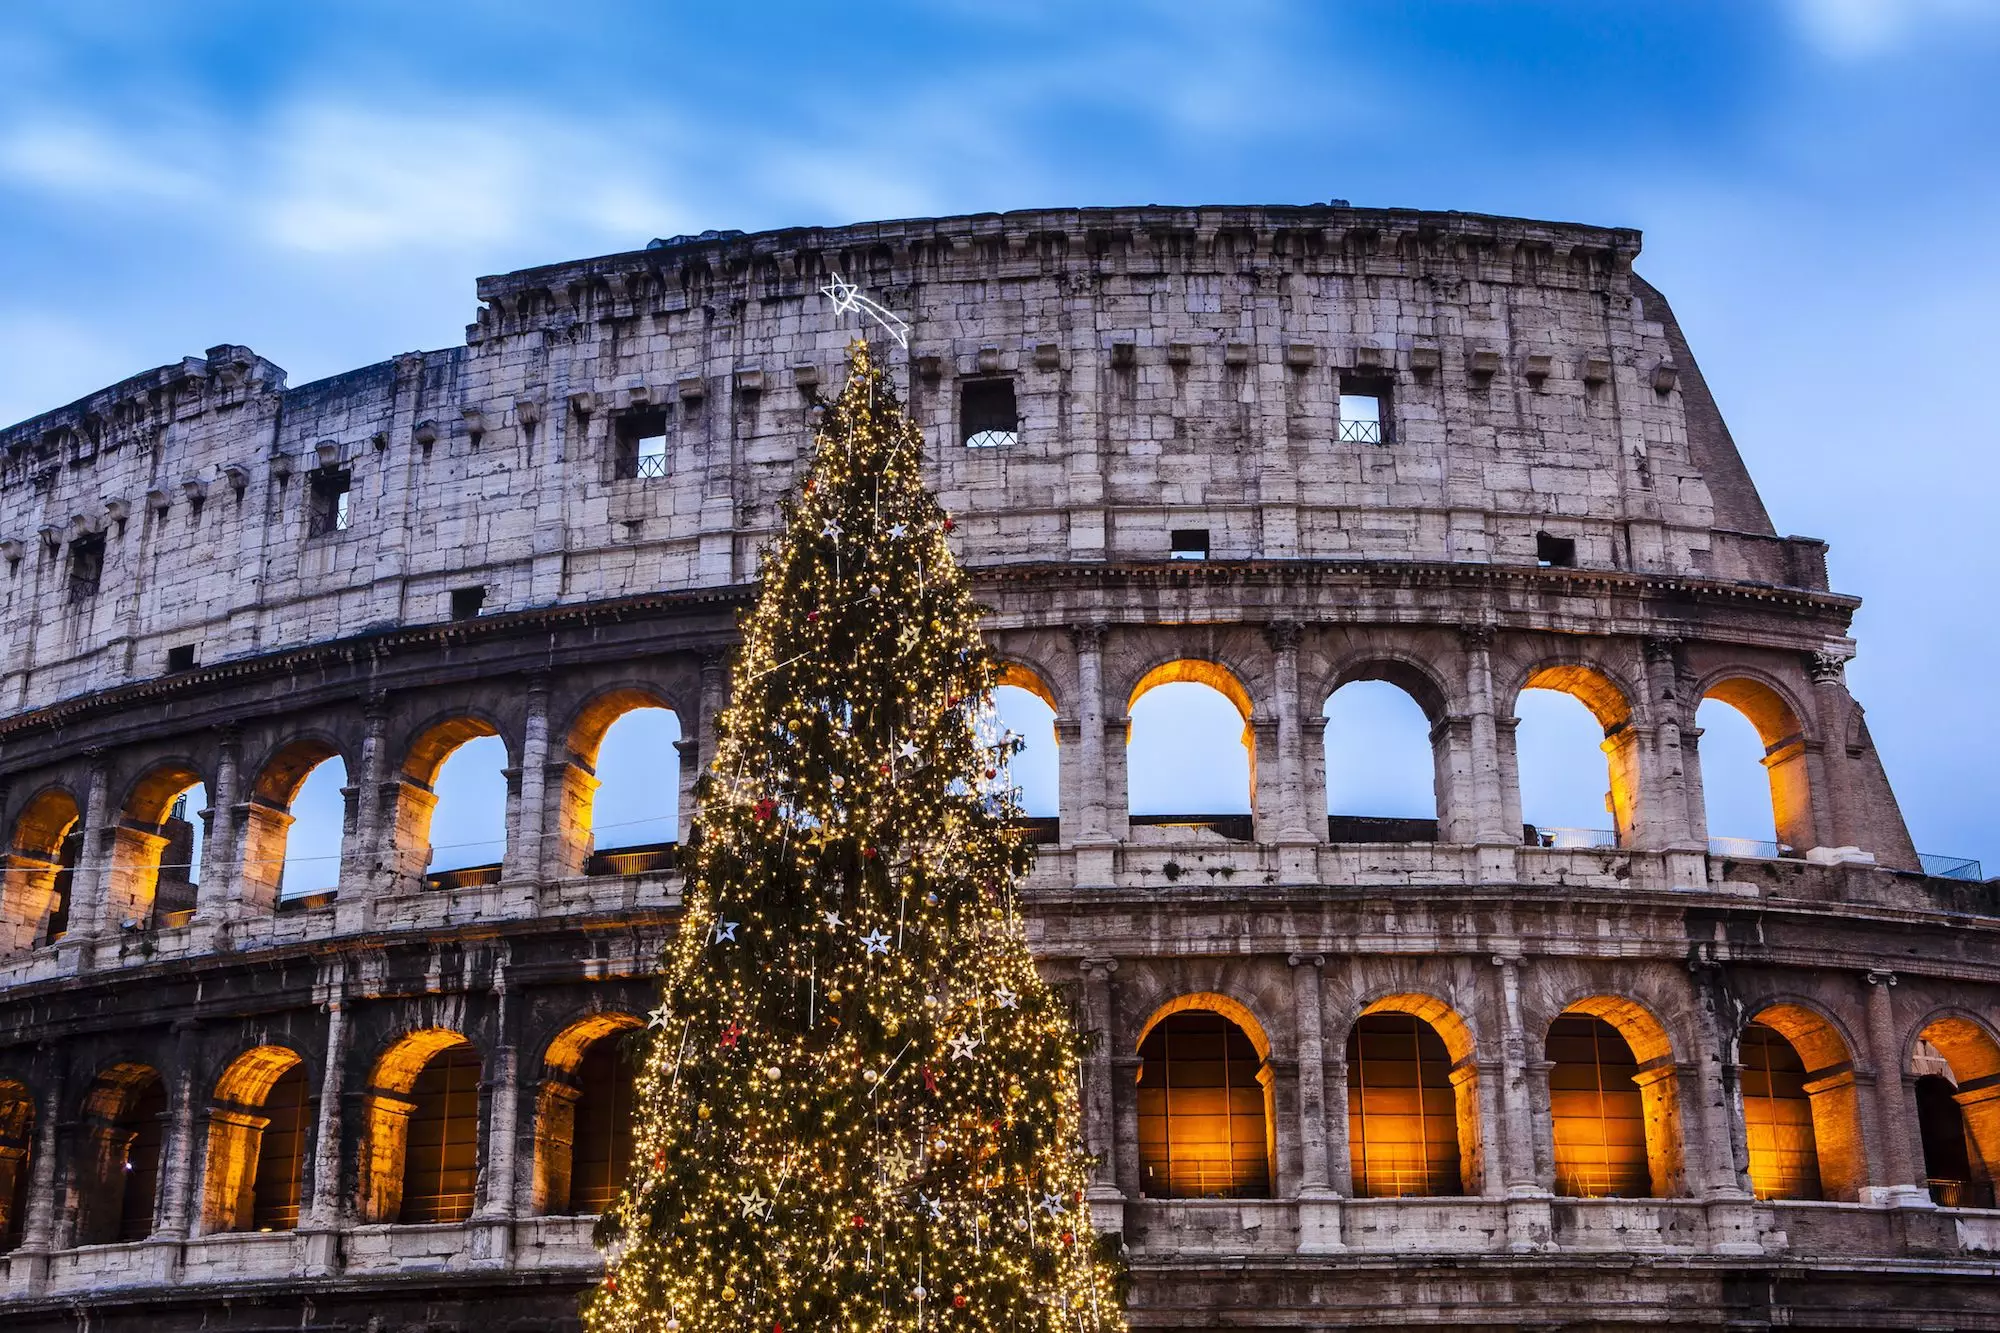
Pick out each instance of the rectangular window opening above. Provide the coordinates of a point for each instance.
(1362, 414)
(180, 657)
(641, 439)
(467, 602)
(86, 566)
(1555, 552)
(327, 492)
(986, 414)
(1189, 544)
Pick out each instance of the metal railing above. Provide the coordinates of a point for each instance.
(1749, 849)
(1539, 836)
(465, 877)
(1950, 867)
(639, 860)
(1358, 432)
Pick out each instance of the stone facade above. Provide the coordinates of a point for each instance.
(1553, 502)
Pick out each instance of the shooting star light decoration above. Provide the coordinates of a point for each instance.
(848, 298)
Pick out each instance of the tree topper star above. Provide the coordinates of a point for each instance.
(847, 299)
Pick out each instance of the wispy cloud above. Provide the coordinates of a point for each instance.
(1861, 28)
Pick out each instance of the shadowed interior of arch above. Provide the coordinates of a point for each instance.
(1381, 773)
(117, 1169)
(421, 1161)
(17, 1140)
(1957, 1069)
(255, 1156)
(1190, 751)
(584, 1116)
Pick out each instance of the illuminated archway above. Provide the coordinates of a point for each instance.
(1206, 1129)
(117, 1167)
(257, 1131)
(1801, 1123)
(451, 812)
(1412, 1099)
(1614, 1102)
(584, 1116)
(1959, 1115)
(421, 1159)
(1383, 767)
(1026, 705)
(1782, 739)
(1180, 760)
(278, 798)
(1550, 762)
(621, 786)
(156, 849)
(17, 1137)
(41, 860)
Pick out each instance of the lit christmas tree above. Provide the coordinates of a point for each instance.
(858, 1107)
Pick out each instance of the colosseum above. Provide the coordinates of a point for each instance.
(1347, 1072)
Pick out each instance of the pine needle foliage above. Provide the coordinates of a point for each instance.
(858, 1106)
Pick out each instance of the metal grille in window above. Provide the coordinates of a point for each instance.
(987, 419)
(642, 447)
(1360, 419)
(86, 566)
(328, 512)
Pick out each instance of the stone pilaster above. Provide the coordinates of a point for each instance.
(1100, 1122)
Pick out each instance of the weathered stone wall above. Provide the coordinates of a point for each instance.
(1175, 369)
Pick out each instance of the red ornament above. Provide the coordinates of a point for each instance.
(949, 525)
(860, 1222)
(870, 853)
(992, 772)
(930, 1080)
(958, 1302)
(729, 1036)
(812, 617)
(1069, 1237)
(765, 809)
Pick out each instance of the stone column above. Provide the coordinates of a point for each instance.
(714, 698)
(1487, 803)
(1092, 820)
(318, 1227)
(688, 751)
(367, 861)
(527, 815)
(100, 838)
(221, 855)
(1529, 1224)
(38, 1229)
(1671, 823)
(177, 1152)
(1289, 805)
(1319, 1206)
(1894, 1167)
(493, 1239)
(1833, 819)
(1100, 1125)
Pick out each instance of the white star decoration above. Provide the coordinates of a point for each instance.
(1006, 999)
(724, 930)
(847, 299)
(753, 1203)
(963, 1045)
(832, 529)
(897, 531)
(1052, 1204)
(907, 750)
(833, 921)
(876, 941)
(658, 1018)
(934, 1207)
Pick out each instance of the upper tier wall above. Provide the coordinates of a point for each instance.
(1174, 368)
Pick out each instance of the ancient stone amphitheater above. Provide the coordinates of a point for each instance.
(1349, 1072)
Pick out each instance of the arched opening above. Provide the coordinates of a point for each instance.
(1958, 1111)
(621, 799)
(1204, 1100)
(583, 1128)
(452, 809)
(17, 1137)
(1411, 1100)
(1596, 1113)
(257, 1129)
(421, 1163)
(319, 826)
(1026, 707)
(1801, 1125)
(293, 824)
(156, 851)
(118, 1170)
(1382, 772)
(1753, 771)
(41, 863)
(1576, 759)
(1190, 756)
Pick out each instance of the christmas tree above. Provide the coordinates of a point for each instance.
(858, 1103)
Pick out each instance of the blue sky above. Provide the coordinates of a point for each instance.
(1816, 179)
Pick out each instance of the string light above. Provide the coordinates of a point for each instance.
(859, 1107)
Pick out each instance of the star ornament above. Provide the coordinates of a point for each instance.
(755, 1204)
(724, 931)
(833, 921)
(1006, 999)
(876, 941)
(963, 1045)
(658, 1018)
(1052, 1204)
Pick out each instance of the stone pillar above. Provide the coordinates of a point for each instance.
(375, 825)
(30, 1261)
(221, 857)
(492, 1241)
(688, 750)
(1319, 1206)
(1289, 804)
(1100, 1124)
(1091, 821)
(100, 837)
(1894, 1168)
(714, 698)
(177, 1152)
(1833, 819)
(322, 1214)
(527, 813)
(1529, 1224)
(1487, 802)
(1671, 822)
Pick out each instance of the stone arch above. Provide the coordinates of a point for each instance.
(1039, 769)
(1417, 681)
(1972, 1051)
(1800, 1151)
(151, 861)
(1776, 716)
(1017, 671)
(1207, 1123)
(268, 818)
(562, 1109)
(1645, 1098)
(1610, 701)
(41, 859)
(416, 799)
(1214, 675)
(1413, 675)
(391, 1103)
(1412, 1109)
(594, 715)
(253, 1163)
(115, 1163)
(17, 1142)
(574, 812)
